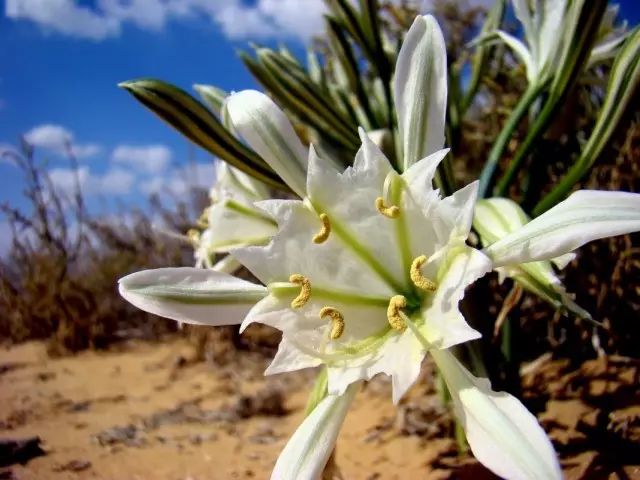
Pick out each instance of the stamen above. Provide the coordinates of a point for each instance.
(323, 234)
(203, 221)
(337, 322)
(305, 291)
(194, 236)
(420, 280)
(393, 312)
(389, 212)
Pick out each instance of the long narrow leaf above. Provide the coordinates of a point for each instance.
(195, 122)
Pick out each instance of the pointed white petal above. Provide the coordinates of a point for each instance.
(585, 216)
(455, 212)
(503, 435)
(226, 265)
(551, 29)
(191, 295)
(308, 450)
(269, 132)
(288, 359)
(234, 224)
(444, 325)
(523, 13)
(521, 52)
(421, 90)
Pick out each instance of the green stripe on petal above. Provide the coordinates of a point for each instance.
(192, 295)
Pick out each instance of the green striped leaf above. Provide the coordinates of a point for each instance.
(212, 96)
(623, 81)
(199, 125)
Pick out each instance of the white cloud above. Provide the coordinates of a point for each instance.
(55, 139)
(294, 19)
(178, 183)
(264, 19)
(115, 181)
(151, 159)
(64, 16)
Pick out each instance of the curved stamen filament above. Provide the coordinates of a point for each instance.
(305, 290)
(324, 232)
(394, 316)
(203, 221)
(194, 236)
(420, 280)
(337, 322)
(389, 212)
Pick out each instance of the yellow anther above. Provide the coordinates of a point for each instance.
(305, 291)
(323, 234)
(420, 280)
(203, 221)
(389, 212)
(393, 312)
(337, 322)
(194, 236)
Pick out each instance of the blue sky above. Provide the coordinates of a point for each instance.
(61, 61)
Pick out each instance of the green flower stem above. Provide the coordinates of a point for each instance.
(320, 390)
(539, 127)
(499, 146)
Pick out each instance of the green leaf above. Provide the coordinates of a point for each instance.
(623, 81)
(212, 96)
(199, 125)
(484, 52)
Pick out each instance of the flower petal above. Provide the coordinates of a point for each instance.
(444, 325)
(523, 13)
(191, 295)
(503, 435)
(585, 216)
(228, 264)
(496, 217)
(453, 216)
(308, 450)
(421, 90)
(288, 358)
(234, 224)
(521, 52)
(269, 132)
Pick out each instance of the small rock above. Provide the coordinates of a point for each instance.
(76, 407)
(19, 451)
(8, 474)
(73, 466)
(202, 437)
(45, 376)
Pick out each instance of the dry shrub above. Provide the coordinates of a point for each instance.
(58, 281)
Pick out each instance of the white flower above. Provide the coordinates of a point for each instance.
(232, 220)
(547, 29)
(497, 217)
(365, 274)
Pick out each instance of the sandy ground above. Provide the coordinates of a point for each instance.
(144, 413)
